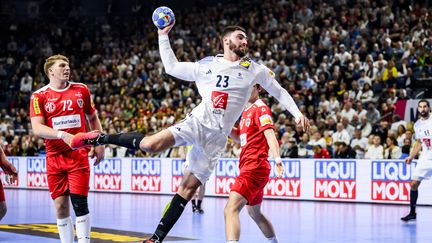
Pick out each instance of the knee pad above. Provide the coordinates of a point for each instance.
(79, 204)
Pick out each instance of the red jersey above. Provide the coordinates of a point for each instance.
(63, 110)
(253, 122)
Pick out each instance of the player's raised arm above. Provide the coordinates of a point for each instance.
(182, 70)
(272, 86)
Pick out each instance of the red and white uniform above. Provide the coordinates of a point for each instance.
(254, 165)
(68, 171)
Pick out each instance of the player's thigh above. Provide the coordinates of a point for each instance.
(57, 177)
(236, 202)
(158, 142)
(79, 173)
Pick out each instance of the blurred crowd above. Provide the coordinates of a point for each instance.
(346, 64)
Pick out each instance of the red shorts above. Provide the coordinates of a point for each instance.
(2, 196)
(251, 186)
(68, 172)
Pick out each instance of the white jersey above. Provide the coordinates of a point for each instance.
(423, 132)
(225, 86)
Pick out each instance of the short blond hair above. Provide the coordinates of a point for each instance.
(51, 60)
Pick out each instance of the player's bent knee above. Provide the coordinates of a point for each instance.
(79, 204)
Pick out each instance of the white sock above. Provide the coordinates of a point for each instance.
(83, 228)
(66, 230)
(233, 241)
(272, 240)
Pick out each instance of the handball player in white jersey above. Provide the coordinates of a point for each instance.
(225, 83)
(423, 170)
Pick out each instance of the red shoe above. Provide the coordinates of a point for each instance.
(87, 139)
(149, 241)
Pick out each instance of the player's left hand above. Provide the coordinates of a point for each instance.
(304, 122)
(10, 169)
(279, 167)
(97, 152)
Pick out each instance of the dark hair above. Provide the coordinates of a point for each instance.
(425, 101)
(229, 29)
(394, 141)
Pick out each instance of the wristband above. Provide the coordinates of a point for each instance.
(60, 134)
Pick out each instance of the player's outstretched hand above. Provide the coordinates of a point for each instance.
(279, 167)
(304, 122)
(10, 170)
(408, 160)
(167, 29)
(97, 152)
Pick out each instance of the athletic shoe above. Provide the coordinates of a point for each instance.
(409, 217)
(150, 241)
(194, 209)
(200, 210)
(88, 139)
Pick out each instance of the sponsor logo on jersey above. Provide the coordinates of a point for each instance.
(391, 181)
(245, 62)
(243, 139)
(219, 99)
(36, 107)
(240, 76)
(177, 173)
(15, 162)
(335, 179)
(50, 107)
(78, 94)
(80, 103)
(64, 122)
(265, 120)
(209, 72)
(226, 172)
(36, 172)
(107, 175)
(146, 175)
(289, 184)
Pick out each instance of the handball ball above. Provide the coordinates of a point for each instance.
(162, 17)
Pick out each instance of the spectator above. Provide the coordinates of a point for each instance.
(344, 151)
(290, 150)
(341, 135)
(375, 151)
(320, 153)
(392, 151)
(359, 144)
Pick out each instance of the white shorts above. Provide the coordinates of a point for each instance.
(423, 170)
(207, 146)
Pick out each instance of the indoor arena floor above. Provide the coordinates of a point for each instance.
(128, 217)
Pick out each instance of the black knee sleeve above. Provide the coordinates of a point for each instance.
(79, 204)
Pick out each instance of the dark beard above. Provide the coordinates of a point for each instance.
(424, 114)
(237, 50)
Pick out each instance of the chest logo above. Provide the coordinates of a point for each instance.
(50, 107)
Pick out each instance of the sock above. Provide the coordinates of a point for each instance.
(193, 202)
(129, 140)
(233, 241)
(413, 201)
(83, 228)
(66, 230)
(172, 213)
(199, 203)
(272, 239)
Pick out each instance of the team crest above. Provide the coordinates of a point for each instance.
(245, 62)
(50, 107)
(271, 73)
(248, 121)
(80, 103)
